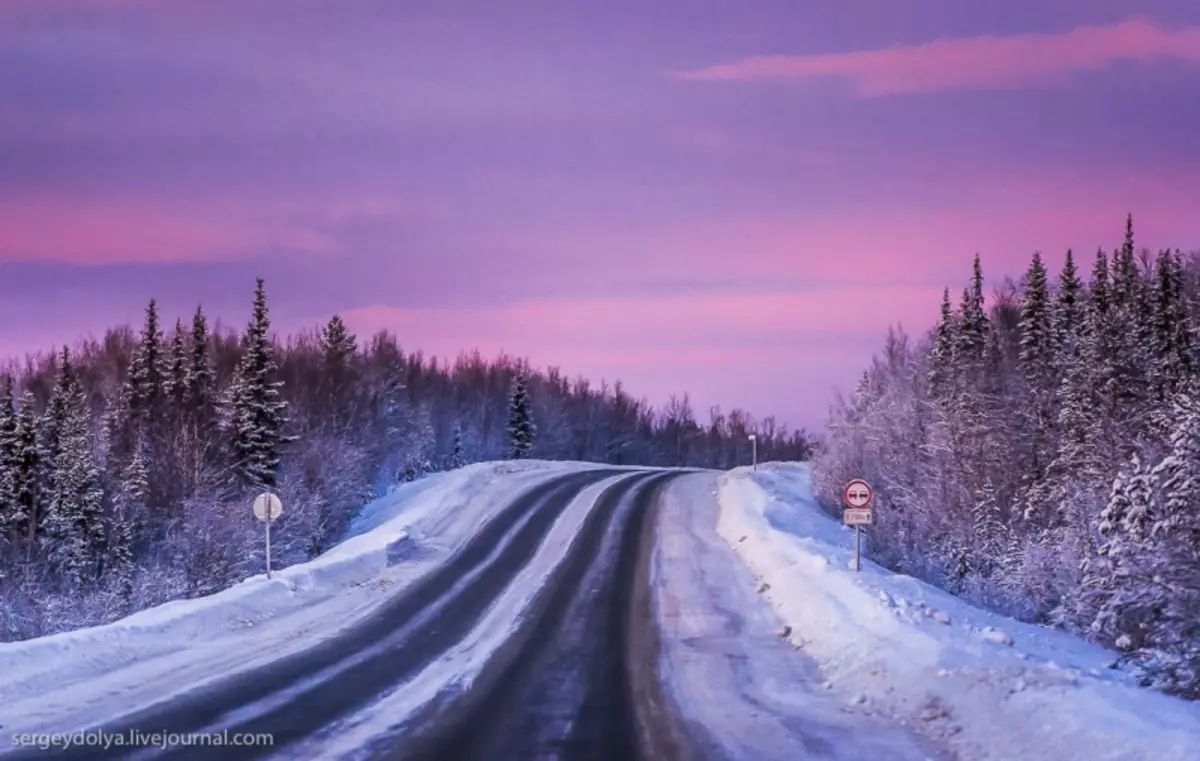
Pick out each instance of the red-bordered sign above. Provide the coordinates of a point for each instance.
(858, 494)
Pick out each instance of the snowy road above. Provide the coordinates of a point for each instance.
(568, 611)
(294, 696)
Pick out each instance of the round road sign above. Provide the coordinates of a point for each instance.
(858, 494)
(267, 507)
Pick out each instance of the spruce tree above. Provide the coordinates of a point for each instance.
(9, 460)
(74, 526)
(941, 357)
(54, 419)
(457, 456)
(147, 372)
(521, 428)
(1067, 306)
(201, 380)
(176, 381)
(339, 348)
(1125, 280)
(1172, 344)
(973, 321)
(1036, 343)
(24, 521)
(257, 407)
(129, 510)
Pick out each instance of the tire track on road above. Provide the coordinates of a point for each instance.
(411, 633)
(579, 680)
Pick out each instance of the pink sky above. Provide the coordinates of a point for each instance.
(736, 207)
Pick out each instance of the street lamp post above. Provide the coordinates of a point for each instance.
(754, 452)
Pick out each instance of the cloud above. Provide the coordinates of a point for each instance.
(133, 230)
(1025, 60)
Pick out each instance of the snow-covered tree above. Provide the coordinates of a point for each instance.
(257, 408)
(175, 382)
(1036, 326)
(458, 458)
(9, 458)
(74, 517)
(521, 428)
(201, 380)
(941, 356)
(129, 509)
(148, 372)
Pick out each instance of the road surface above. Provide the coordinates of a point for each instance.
(579, 678)
(575, 639)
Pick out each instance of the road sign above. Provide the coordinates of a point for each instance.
(267, 507)
(857, 517)
(858, 494)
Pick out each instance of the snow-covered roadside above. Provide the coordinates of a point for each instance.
(720, 638)
(990, 687)
(85, 676)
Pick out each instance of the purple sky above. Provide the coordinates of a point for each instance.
(733, 199)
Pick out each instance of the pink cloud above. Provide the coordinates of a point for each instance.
(1026, 60)
(140, 231)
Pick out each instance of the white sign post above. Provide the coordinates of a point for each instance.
(754, 451)
(858, 495)
(267, 508)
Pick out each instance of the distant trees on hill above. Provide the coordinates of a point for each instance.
(127, 466)
(1042, 456)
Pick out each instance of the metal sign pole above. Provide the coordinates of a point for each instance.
(857, 550)
(268, 549)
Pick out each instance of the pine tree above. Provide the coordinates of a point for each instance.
(1125, 280)
(9, 459)
(129, 509)
(147, 372)
(201, 380)
(521, 428)
(1174, 539)
(1036, 342)
(176, 381)
(54, 418)
(457, 456)
(973, 321)
(941, 357)
(74, 523)
(24, 521)
(257, 409)
(1171, 340)
(339, 348)
(1067, 306)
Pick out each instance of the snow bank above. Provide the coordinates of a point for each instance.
(988, 686)
(437, 514)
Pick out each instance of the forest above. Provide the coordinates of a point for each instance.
(1038, 452)
(128, 464)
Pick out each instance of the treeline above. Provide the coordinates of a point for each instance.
(1042, 455)
(127, 466)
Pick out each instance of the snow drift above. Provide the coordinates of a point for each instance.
(988, 686)
(260, 619)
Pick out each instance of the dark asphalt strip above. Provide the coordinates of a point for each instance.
(458, 607)
(571, 685)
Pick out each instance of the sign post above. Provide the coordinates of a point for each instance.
(858, 495)
(754, 452)
(267, 508)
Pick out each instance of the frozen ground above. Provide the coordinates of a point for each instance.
(892, 647)
(731, 673)
(87, 676)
